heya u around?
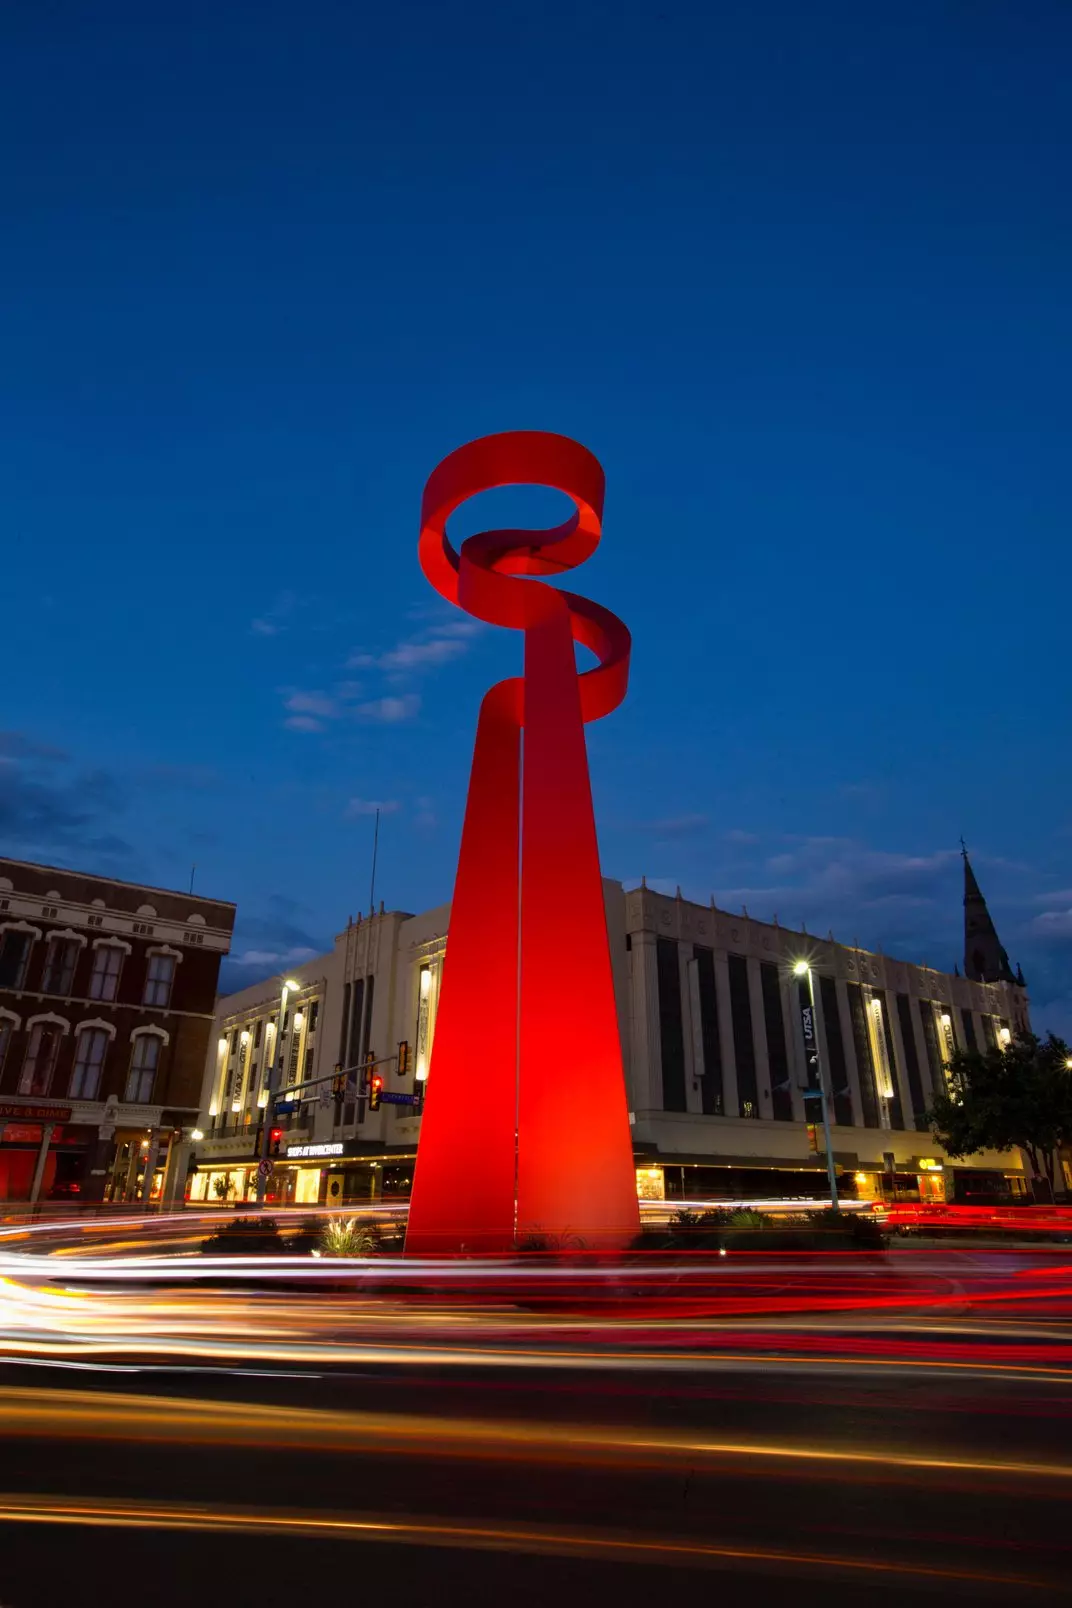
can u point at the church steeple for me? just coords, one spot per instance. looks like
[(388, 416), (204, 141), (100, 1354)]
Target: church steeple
[(984, 958)]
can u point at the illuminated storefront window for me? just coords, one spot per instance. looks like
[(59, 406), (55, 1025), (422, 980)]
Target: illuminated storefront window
[(307, 1188), (650, 1183)]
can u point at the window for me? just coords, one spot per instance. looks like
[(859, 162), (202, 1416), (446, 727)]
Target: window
[(60, 960), (158, 980), (743, 1042), (41, 1054), (314, 1011), (143, 1066), (14, 958), (257, 1031), (6, 1026), (711, 1087), (104, 979), (777, 1048), (671, 1024), (90, 1050)]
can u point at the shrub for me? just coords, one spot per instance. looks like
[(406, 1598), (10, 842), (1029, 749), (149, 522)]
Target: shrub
[(540, 1241), (348, 1237), (864, 1230), (245, 1236)]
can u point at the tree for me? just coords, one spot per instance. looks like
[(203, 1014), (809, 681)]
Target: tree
[(1000, 1099)]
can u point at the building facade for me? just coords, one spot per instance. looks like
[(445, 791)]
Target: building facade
[(107, 995), (710, 1017)]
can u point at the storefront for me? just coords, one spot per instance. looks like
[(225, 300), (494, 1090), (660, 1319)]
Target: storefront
[(333, 1173), (44, 1156)]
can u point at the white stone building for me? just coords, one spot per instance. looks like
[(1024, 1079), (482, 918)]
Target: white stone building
[(709, 1010)]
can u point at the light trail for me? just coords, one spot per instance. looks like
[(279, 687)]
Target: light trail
[(59, 1305), (512, 1536), (207, 1421)]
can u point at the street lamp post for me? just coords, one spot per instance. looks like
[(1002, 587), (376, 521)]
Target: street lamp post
[(274, 1070), (811, 1049)]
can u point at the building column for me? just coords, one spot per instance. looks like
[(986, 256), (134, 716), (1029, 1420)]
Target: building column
[(42, 1157), (101, 1161), (150, 1165), (730, 1103), (848, 1043), (646, 1059), (759, 1039), (178, 1167), (688, 968), (916, 1008), (900, 1065)]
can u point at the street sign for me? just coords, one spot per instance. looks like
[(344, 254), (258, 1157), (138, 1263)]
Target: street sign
[(399, 1099), (265, 1168), (811, 1043)]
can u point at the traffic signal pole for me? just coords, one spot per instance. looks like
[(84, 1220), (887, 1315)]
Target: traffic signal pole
[(297, 1090)]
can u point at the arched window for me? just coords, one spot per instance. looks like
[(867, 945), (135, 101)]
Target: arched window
[(160, 976), (16, 942), (144, 1063), (108, 956), (8, 1023), (61, 958), (46, 1035), (91, 1047)]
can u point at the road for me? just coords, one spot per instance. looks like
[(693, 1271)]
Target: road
[(797, 1429)]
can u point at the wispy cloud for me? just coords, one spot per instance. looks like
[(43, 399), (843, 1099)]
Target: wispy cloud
[(51, 811), (426, 818), (388, 711), (312, 710), (276, 618), (1053, 924), (16, 745), (436, 645), (679, 826), (270, 959), (312, 703), (357, 807)]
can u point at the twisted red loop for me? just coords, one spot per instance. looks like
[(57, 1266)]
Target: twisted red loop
[(481, 577)]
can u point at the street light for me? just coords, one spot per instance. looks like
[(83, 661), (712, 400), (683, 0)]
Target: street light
[(274, 1069), (801, 968)]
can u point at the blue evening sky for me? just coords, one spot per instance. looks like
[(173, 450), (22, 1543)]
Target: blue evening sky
[(797, 273)]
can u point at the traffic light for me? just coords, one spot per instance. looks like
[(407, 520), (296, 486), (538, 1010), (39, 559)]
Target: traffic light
[(375, 1090), (275, 1139), (813, 1138), (405, 1060), (338, 1084)]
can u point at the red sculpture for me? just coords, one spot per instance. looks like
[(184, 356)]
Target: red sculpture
[(525, 1128)]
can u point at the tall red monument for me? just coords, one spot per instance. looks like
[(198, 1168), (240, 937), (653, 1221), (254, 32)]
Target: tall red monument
[(525, 1127)]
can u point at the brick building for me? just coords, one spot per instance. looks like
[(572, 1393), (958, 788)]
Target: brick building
[(107, 992)]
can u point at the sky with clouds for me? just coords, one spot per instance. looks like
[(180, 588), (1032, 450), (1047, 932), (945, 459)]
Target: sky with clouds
[(798, 276)]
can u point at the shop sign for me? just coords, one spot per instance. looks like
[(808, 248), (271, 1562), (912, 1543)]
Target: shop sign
[(34, 1113), (313, 1152), (22, 1133), (930, 1164)]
